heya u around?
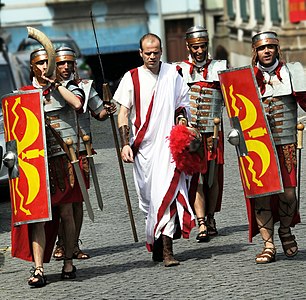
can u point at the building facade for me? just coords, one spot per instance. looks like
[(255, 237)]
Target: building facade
[(243, 18)]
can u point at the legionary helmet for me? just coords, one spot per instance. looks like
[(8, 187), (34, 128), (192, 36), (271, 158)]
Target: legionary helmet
[(261, 39), (36, 56), (65, 54), (265, 38), (196, 34)]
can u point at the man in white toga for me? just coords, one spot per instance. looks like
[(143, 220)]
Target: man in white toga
[(154, 98)]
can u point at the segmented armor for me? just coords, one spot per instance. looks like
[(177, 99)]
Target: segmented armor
[(279, 103), (64, 120), (206, 102)]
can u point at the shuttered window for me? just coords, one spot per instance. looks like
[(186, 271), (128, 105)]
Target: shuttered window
[(230, 10), (258, 5), (274, 6)]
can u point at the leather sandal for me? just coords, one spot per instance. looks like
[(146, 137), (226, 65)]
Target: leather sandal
[(211, 226), (59, 252), (37, 273), (266, 256), (68, 275), (288, 243), (202, 236), (79, 254)]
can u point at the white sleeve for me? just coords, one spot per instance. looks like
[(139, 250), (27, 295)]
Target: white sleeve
[(124, 94)]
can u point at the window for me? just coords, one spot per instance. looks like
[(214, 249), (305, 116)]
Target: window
[(244, 10), (275, 9), (231, 10), (258, 5)]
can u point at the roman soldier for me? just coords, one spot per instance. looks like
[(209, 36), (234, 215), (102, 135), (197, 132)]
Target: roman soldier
[(60, 103), (67, 71), (282, 86), (206, 107)]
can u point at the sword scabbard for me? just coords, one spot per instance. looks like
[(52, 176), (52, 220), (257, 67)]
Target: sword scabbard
[(86, 140), (214, 147)]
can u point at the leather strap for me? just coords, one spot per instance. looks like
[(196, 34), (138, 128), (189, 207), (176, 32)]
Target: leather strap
[(124, 133)]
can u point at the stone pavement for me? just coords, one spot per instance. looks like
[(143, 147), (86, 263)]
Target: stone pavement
[(118, 268)]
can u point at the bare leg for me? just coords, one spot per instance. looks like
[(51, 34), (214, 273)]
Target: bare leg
[(213, 193), (199, 207), (78, 219), (38, 247), (287, 208), (38, 243), (265, 224), (59, 252), (66, 213)]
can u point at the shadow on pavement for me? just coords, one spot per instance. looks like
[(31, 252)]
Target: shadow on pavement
[(233, 229), (209, 251), (102, 270), (113, 249)]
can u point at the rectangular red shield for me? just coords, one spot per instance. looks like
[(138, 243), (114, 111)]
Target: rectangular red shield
[(259, 169), (23, 118)]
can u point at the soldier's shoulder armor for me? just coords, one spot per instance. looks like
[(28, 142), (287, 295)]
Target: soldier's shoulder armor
[(297, 76), (214, 67), (219, 65)]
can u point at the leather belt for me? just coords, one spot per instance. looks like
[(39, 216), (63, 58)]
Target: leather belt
[(199, 113), (199, 99), (273, 108), (195, 120), (278, 123), (278, 115), (204, 91), (269, 100), (277, 130), (200, 106)]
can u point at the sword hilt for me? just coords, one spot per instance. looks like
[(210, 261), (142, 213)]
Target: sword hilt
[(86, 140), (216, 127), (69, 143), (300, 128)]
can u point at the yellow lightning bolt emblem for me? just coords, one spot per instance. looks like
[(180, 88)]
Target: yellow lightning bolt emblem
[(32, 129)]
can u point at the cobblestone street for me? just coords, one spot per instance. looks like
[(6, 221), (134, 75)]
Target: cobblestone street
[(119, 268)]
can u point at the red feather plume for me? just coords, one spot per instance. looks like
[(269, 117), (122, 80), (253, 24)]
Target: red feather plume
[(186, 161)]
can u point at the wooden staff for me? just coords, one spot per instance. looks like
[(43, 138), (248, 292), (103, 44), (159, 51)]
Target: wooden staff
[(107, 96), (107, 99)]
